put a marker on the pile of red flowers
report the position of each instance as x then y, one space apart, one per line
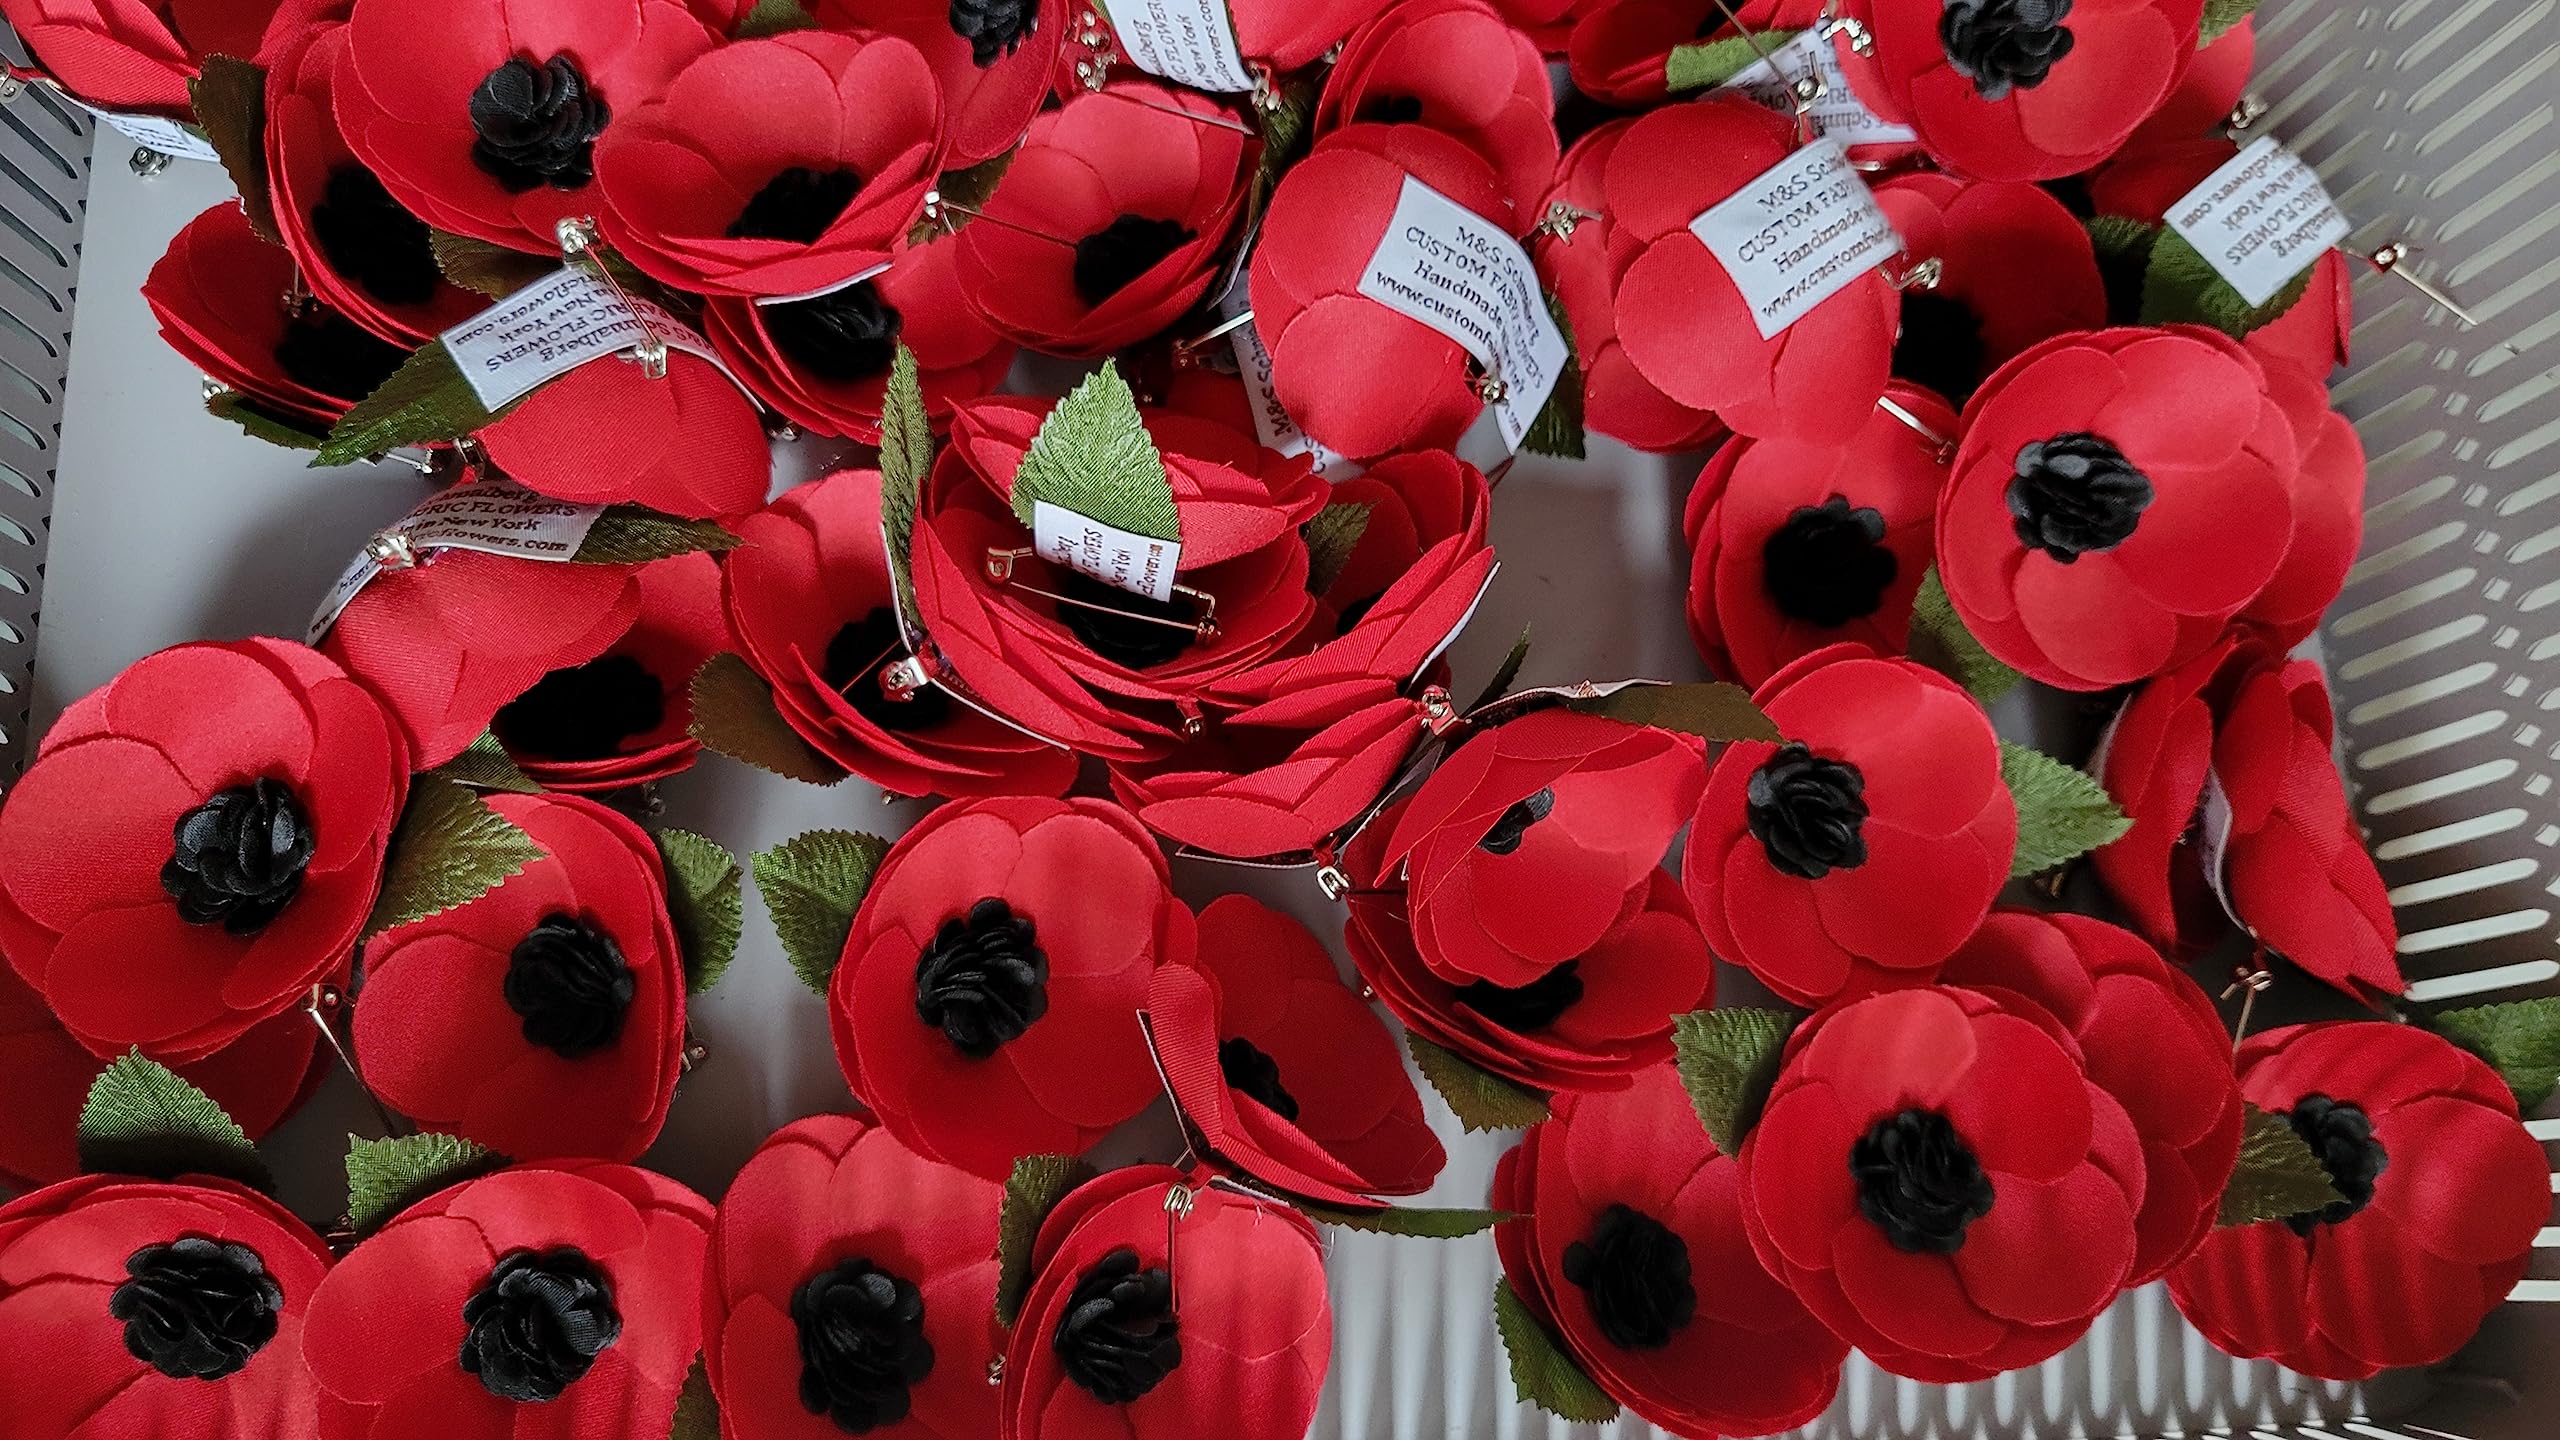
1337 262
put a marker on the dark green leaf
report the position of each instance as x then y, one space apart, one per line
1331 538
484 764
257 424
2181 287
1728 1057
1705 66
906 456
1558 429
141 1119
2220 16
734 714
385 1177
705 896
1481 1100
972 187
774 17
230 100
697 1409
1286 131
636 535
2520 1039
2062 811
2277 1177
2112 235
1418 1222
450 850
1093 456
1542 1374
811 885
425 400
486 269
1940 641
1712 711
1036 1186
1504 674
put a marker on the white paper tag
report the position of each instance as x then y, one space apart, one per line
153 132
825 290
1798 235
553 326
1190 42
1139 564
2260 220
1457 272
1271 423
1839 113
494 518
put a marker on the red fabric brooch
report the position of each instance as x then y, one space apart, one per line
809 604
2011 90
2440 1193
992 61
2150 1038
852 1291
198 844
2210 90
128 54
1938 1180
2015 269
2118 496
689 443
1796 546
1280 1068
1859 854
1630 1246
1460 68
546 1017
1100 1353
538 1303
986 1003
2328 513
1110 222
624 718
174 1310
220 297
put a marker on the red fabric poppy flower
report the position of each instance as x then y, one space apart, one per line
689 443
258 1080
809 605
1592 1023
134 55
1291 34
1796 546
1936 1178
993 65
482 116
174 1310
1110 222
2210 90
1535 839
1618 51
1684 325
543 1302
546 1017
2328 513
1859 854
1099 1351
219 295
1630 1246
2003 91
2441 1191
2015 269
824 363
810 186
1281 1070
198 844
625 717
1548 23
1458 67
2118 496
2151 1039
1281 778
852 1289
986 1005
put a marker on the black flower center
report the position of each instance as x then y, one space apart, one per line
1524 1008
325 351
1940 345
1918 1181
1355 612
368 238
570 984
1504 836
2341 1134
796 205
2076 493
994 28
1827 565
1807 812
1129 630
1110 258
1391 110
196 1309
238 858
537 125
585 712
842 337
1998 44
538 1322
862 1345
1634 1272
1248 1069
1119 1338
983 980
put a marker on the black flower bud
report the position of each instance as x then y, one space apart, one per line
1118 1337
1524 1008
1807 812
1503 837
994 28
1827 565
983 981
1110 258
1998 44
537 125
1919 1182
2076 493
797 205
570 984
585 712
196 1309
238 858
862 1345
2341 1136
841 337
374 241
1247 1068
325 351
1634 1273
538 1323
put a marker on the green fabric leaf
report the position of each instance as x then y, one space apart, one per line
1482 1101
734 714
906 457
2180 286
1034 1189
1542 1374
1940 641
257 424
636 535
1728 1058
972 187
450 850
2520 1040
1093 455
1287 131
2278 1176
1503 674
484 764
425 400
706 898
2062 811
1418 1222
811 885
2112 235
141 1119
1705 66
230 99
774 17
697 1409
1331 538
385 1177
1712 711
1558 429
2221 16
486 269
